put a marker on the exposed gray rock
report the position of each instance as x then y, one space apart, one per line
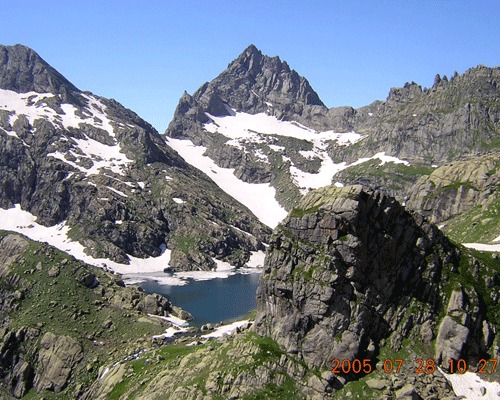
378 384
451 341
407 392
116 211
22 70
350 268
57 357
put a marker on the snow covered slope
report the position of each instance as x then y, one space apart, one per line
106 180
301 154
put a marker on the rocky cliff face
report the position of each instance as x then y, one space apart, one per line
455 118
457 187
22 71
350 271
72 157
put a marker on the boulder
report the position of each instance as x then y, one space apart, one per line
56 359
451 341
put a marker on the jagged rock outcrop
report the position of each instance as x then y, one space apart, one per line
351 270
253 83
70 156
56 359
455 118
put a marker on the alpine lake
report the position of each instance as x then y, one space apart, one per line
212 300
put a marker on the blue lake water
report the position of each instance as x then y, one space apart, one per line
214 300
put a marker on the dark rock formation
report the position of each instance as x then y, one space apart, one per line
22 70
350 270
86 160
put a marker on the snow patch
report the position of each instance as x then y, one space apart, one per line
26 104
383 158
116 191
177 200
256 259
17 220
482 246
252 195
470 384
276 148
222 265
247 126
225 329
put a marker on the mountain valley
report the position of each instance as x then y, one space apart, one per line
364 216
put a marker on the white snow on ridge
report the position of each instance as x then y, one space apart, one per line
483 247
307 181
246 126
25 103
17 220
242 127
225 329
383 158
102 156
259 198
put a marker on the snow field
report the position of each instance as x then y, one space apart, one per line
259 198
139 269
469 386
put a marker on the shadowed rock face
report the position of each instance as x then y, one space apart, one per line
22 70
350 269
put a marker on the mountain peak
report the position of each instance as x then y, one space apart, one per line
22 70
252 49
256 83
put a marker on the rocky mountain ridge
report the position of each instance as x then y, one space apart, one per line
346 267
262 119
71 157
454 118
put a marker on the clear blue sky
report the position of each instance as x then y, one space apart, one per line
145 53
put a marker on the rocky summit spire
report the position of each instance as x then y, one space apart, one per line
22 70
255 83
252 83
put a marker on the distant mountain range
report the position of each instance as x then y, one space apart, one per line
73 158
